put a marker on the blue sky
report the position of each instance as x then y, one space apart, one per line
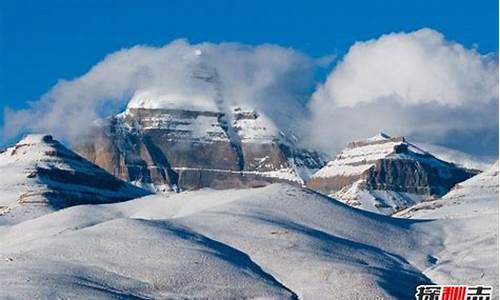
43 41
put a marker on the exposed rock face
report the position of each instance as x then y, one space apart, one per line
170 149
385 174
40 170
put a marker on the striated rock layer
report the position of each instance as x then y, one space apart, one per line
170 149
385 174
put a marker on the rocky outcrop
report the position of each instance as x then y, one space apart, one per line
172 149
385 174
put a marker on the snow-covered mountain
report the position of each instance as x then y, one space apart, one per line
197 134
169 149
385 174
40 175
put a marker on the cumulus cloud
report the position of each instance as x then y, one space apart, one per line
202 76
416 84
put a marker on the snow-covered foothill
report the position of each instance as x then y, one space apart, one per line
40 175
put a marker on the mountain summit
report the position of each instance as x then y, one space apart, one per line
385 174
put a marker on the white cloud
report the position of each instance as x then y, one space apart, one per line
415 84
265 77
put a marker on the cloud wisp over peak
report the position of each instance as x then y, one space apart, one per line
178 75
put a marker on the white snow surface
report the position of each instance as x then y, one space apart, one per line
201 97
469 218
377 201
275 242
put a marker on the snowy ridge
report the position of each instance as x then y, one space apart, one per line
40 171
359 156
484 183
377 201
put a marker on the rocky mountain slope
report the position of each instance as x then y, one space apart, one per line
385 174
169 149
40 175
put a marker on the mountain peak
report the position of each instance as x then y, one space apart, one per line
385 174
